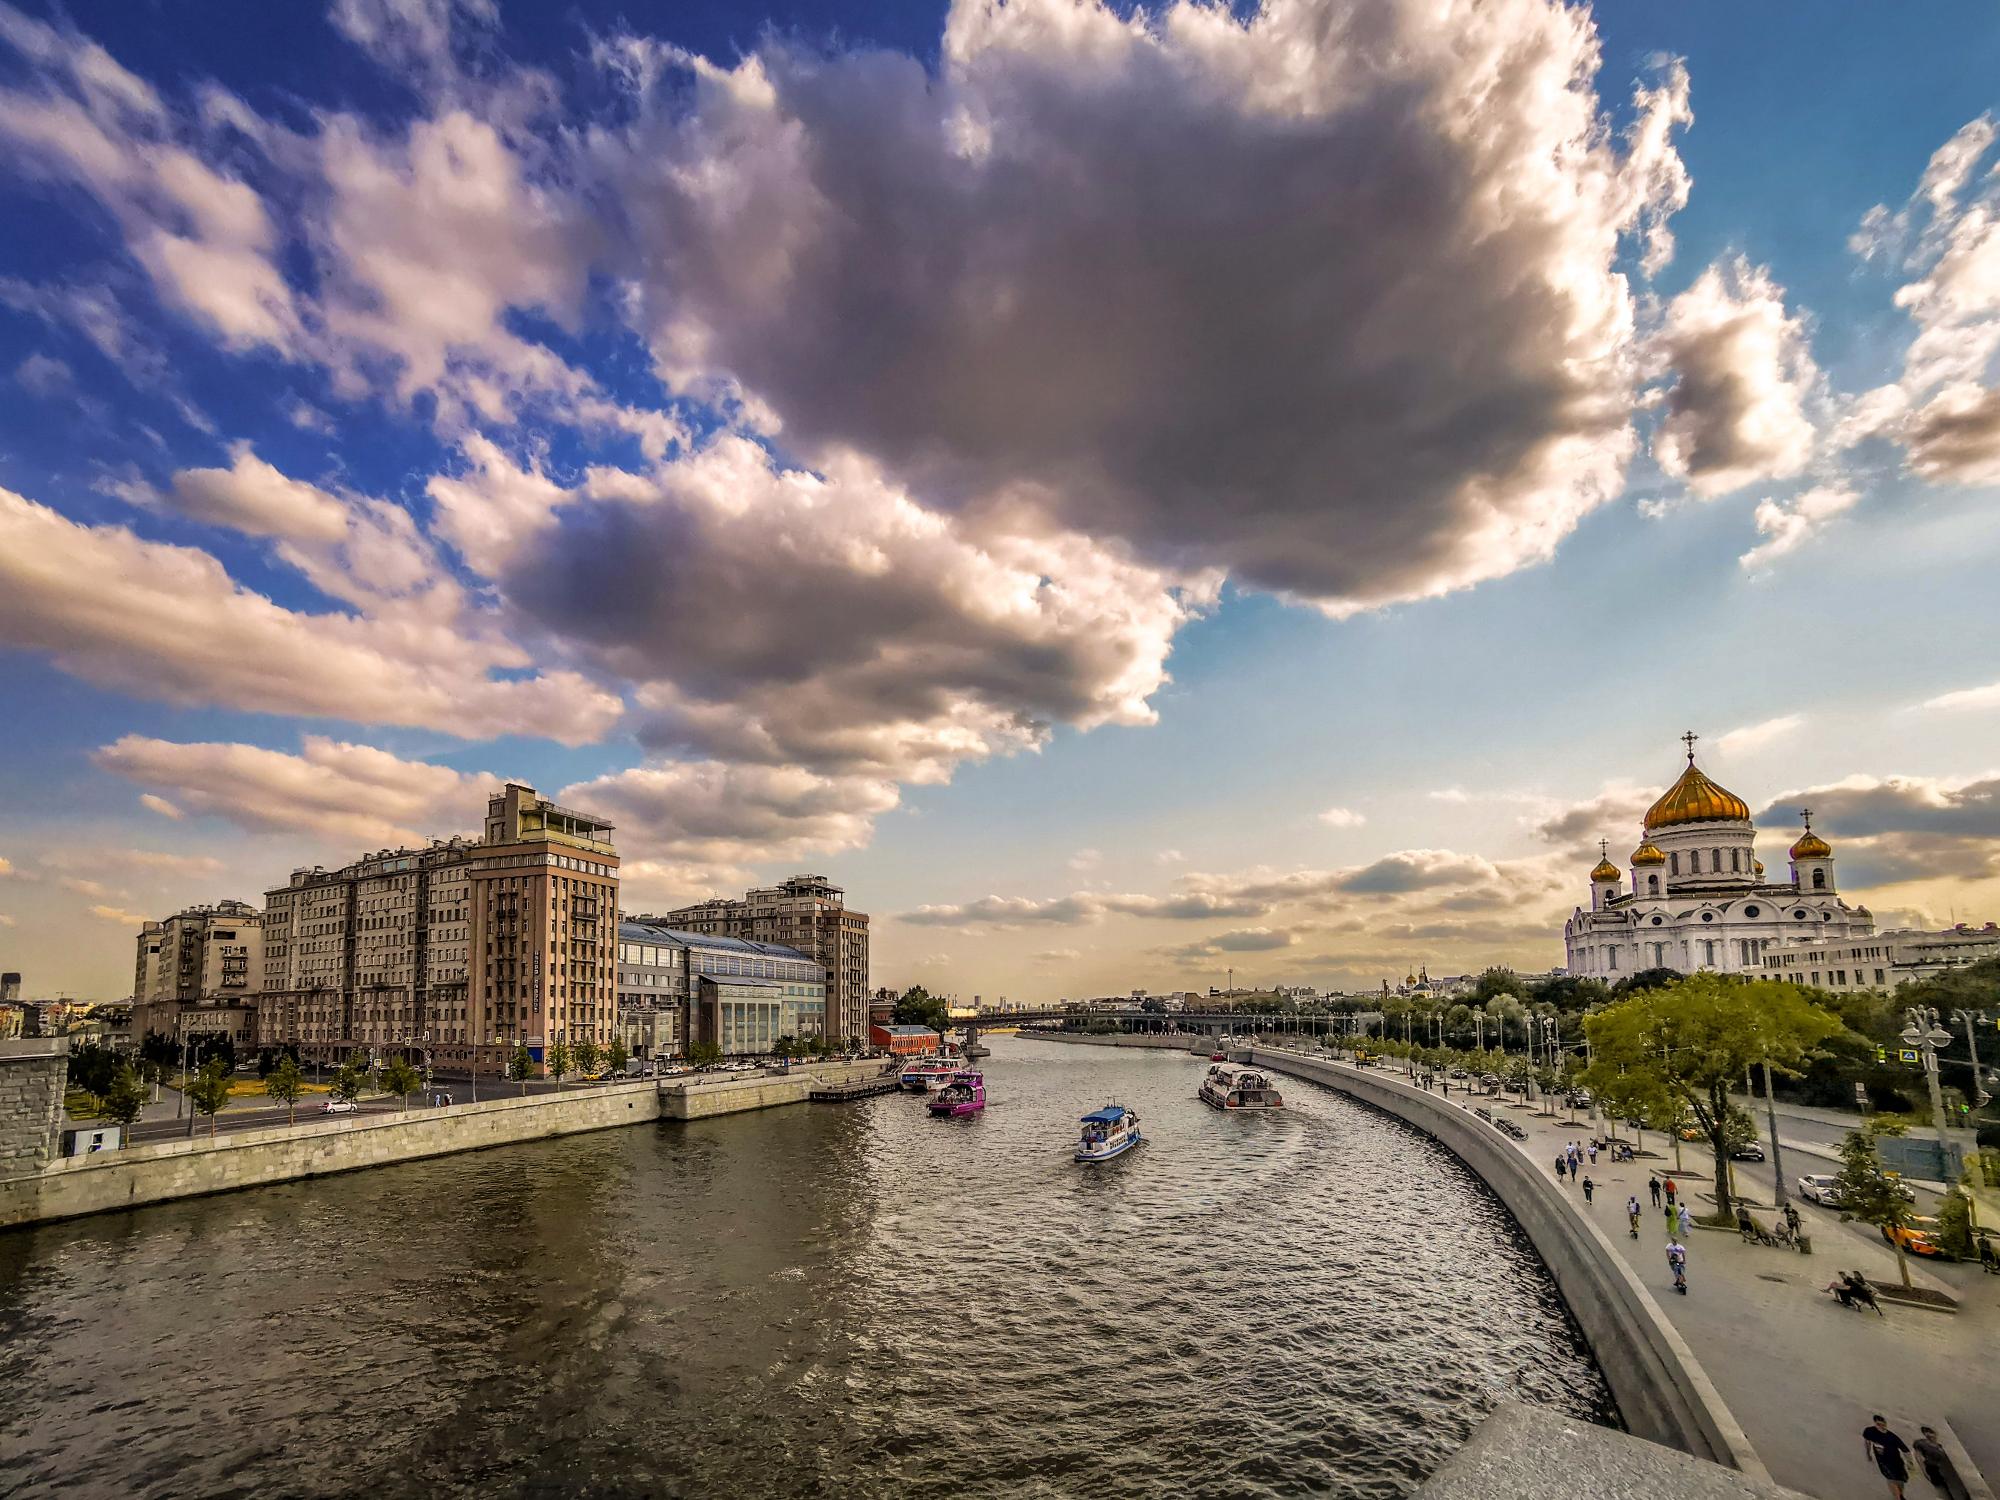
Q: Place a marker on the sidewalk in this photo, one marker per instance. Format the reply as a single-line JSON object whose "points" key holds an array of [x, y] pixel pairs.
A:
{"points": [[1801, 1373]]}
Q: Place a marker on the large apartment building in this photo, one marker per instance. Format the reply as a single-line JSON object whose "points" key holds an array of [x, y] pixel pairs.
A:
{"points": [[462, 950], [808, 913], [196, 973]]}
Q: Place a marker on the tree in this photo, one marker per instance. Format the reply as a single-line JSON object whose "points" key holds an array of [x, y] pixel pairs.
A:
{"points": [[349, 1081], [1496, 982], [210, 1090], [1868, 1193], [400, 1079], [1698, 1038], [704, 1054], [919, 1007], [521, 1067], [559, 1061], [92, 1067], [617, 1055], [1645, 979], [1954, 1231], [588, 1055], [784, 1048], [124, 1097], [285, 1083]]}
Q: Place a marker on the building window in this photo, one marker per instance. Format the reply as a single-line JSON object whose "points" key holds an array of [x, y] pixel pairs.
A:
{"points": [[1819, 880], [1751, 911], [1653, 885], [1674, 863]]}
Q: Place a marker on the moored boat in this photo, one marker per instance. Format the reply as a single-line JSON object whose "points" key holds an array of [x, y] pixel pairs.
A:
{"points": [[1233, 1086], [927, 1075], [1108, 1132], [964, 1095]]}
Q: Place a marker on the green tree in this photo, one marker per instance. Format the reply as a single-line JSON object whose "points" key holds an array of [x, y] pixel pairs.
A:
{"points": [[210, 1091], [1698, 1038], [559, 1061], [617, 1055], [587, 1054], [285, 1083], [349, 1081], [521, 1067], [1645, 979], [400, 1079], [704, 1054], [1954, 1232], [919, 1007], [124, 1097], [1496, 982], [1868, 1193], [785, 1048]]}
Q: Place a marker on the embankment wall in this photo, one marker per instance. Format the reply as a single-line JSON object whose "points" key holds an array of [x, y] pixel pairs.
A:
{"points": [[163, 1171]]}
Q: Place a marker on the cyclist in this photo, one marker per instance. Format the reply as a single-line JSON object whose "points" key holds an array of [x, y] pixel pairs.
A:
{"points": [[1677, 1259]]}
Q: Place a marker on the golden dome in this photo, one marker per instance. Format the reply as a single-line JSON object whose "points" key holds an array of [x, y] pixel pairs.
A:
{"points": [[1696, 799], [1758, 866], [1410, 982], [1648, 853], [1811, 846], [1605, 871]]}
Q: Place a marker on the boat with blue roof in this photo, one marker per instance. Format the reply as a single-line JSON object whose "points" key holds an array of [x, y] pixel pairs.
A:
{"points": [[1108, 1132]]}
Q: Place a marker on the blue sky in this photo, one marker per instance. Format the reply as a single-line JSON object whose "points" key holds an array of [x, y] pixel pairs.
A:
{"points": [[1128, 496]]}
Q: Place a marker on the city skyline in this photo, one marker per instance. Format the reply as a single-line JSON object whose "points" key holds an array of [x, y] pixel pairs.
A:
{"points": [[1127, 501]]}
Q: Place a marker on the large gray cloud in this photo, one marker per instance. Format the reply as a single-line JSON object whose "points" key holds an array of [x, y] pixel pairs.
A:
{"points": [[1327, 295]]}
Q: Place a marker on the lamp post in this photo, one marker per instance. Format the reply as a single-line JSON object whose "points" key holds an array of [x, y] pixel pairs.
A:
{"points": [[1925, 1034], [1968, 1019]]}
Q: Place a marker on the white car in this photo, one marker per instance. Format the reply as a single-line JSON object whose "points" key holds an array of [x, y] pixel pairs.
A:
{"points": [[340, 1107], [1820, 1188]]}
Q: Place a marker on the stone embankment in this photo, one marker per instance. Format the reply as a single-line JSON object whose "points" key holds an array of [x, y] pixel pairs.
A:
{"points": [[164, 1171]]}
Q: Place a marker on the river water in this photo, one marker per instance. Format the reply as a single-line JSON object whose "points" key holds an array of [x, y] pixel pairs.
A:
{"points": [[821, 1300]]}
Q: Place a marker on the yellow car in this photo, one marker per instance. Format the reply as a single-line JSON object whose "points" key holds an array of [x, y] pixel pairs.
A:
{"points": [[1919, 1236]]}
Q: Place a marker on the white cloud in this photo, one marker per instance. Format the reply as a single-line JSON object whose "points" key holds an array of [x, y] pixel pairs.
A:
{"points": [[1350, 417], [1169, 857], [161, 806], [1788, 525], [43, 375], [1454, 794], [344, 794], [1342, 817], [1085, 860], [1751, 738], [1742, 374], [168, 623], [119, 915], [1967, 699]]}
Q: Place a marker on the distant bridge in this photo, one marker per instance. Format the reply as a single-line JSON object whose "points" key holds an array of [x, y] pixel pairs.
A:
{"points": [[1197, 1023]]}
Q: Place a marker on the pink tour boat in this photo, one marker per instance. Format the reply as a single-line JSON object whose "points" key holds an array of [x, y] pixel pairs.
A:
{"points": [[964, 1095]]}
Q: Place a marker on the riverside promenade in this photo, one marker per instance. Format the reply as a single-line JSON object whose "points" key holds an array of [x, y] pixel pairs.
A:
{"points": [[1800, 1374]]}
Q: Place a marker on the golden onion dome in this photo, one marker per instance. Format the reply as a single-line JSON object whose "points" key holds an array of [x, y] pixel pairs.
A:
{"points": [[1811, 846], [1757, 865], [1605, 871], [1648, 853], [1696, 799], [1410, 981]]}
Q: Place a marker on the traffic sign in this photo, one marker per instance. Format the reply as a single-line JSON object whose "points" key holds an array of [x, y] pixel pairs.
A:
{"points": [[1907, 1054]]}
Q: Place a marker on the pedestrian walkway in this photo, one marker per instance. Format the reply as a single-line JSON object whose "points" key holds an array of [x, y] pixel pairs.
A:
{"points": [[1801, 1373]]}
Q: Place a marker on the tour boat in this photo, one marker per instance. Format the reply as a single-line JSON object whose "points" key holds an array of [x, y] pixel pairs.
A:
{"points": [[1230, 1086], [927, 1075], [964, 1095], [1107, 1132]]}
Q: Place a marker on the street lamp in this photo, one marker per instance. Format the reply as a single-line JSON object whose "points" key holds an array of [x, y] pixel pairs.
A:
{"points": [[1924, 1033], [1968, 1019]]}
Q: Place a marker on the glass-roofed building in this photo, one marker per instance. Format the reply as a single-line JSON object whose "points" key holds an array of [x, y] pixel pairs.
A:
{"points": [[675, 987]]}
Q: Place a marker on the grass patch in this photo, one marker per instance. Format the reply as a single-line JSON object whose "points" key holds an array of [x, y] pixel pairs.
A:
{"points": [[253, 1089], [81, 1104]]}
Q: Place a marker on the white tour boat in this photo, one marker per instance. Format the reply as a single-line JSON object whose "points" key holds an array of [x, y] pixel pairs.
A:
{"points": [[1108, 1132], [1234, 1086]]}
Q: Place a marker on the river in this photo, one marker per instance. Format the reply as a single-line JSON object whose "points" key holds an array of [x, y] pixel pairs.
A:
{"points": [[839, 1300]]}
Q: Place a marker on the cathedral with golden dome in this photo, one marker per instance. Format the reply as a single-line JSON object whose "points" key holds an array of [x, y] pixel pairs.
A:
{"points": [[1695, 896]]}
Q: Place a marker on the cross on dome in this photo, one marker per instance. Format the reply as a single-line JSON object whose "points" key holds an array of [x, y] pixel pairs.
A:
{"points": [[1688, 739]]}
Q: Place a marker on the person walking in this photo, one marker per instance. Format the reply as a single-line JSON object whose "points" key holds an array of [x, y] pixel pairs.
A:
{"points": [[1671, 1191], [1886, 1450], [1686, 1221], [1632, 1213], [1938, 1467], [1587, 1186], [1653, 1183], [1592, 1149]]}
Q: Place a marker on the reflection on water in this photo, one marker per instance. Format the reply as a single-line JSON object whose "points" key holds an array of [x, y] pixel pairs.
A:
{"points": [[824, 1300]]}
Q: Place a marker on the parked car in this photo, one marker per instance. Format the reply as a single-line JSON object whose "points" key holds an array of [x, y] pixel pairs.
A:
{"points": [[340, 1107], [1457, 1073], [1919, 1236], [1580, 1098], [1820, 1187], [1750, 1151]]}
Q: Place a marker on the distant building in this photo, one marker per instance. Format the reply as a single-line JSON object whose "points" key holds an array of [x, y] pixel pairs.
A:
{"points": [[462, 950], [808, 913], [196, 973], [695, 986], [1883, 961], [1698, 897]]}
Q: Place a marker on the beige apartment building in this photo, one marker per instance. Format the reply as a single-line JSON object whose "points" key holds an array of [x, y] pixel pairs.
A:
{"points": [[808, 913], [460, 951], [1883, 961], [196, 973]]}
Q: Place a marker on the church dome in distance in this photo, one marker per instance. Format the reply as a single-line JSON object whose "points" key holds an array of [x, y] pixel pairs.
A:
{"points": [[1696, 799], [1811, 846], [1648, 853], [1605, 871], [1757, 865]]}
